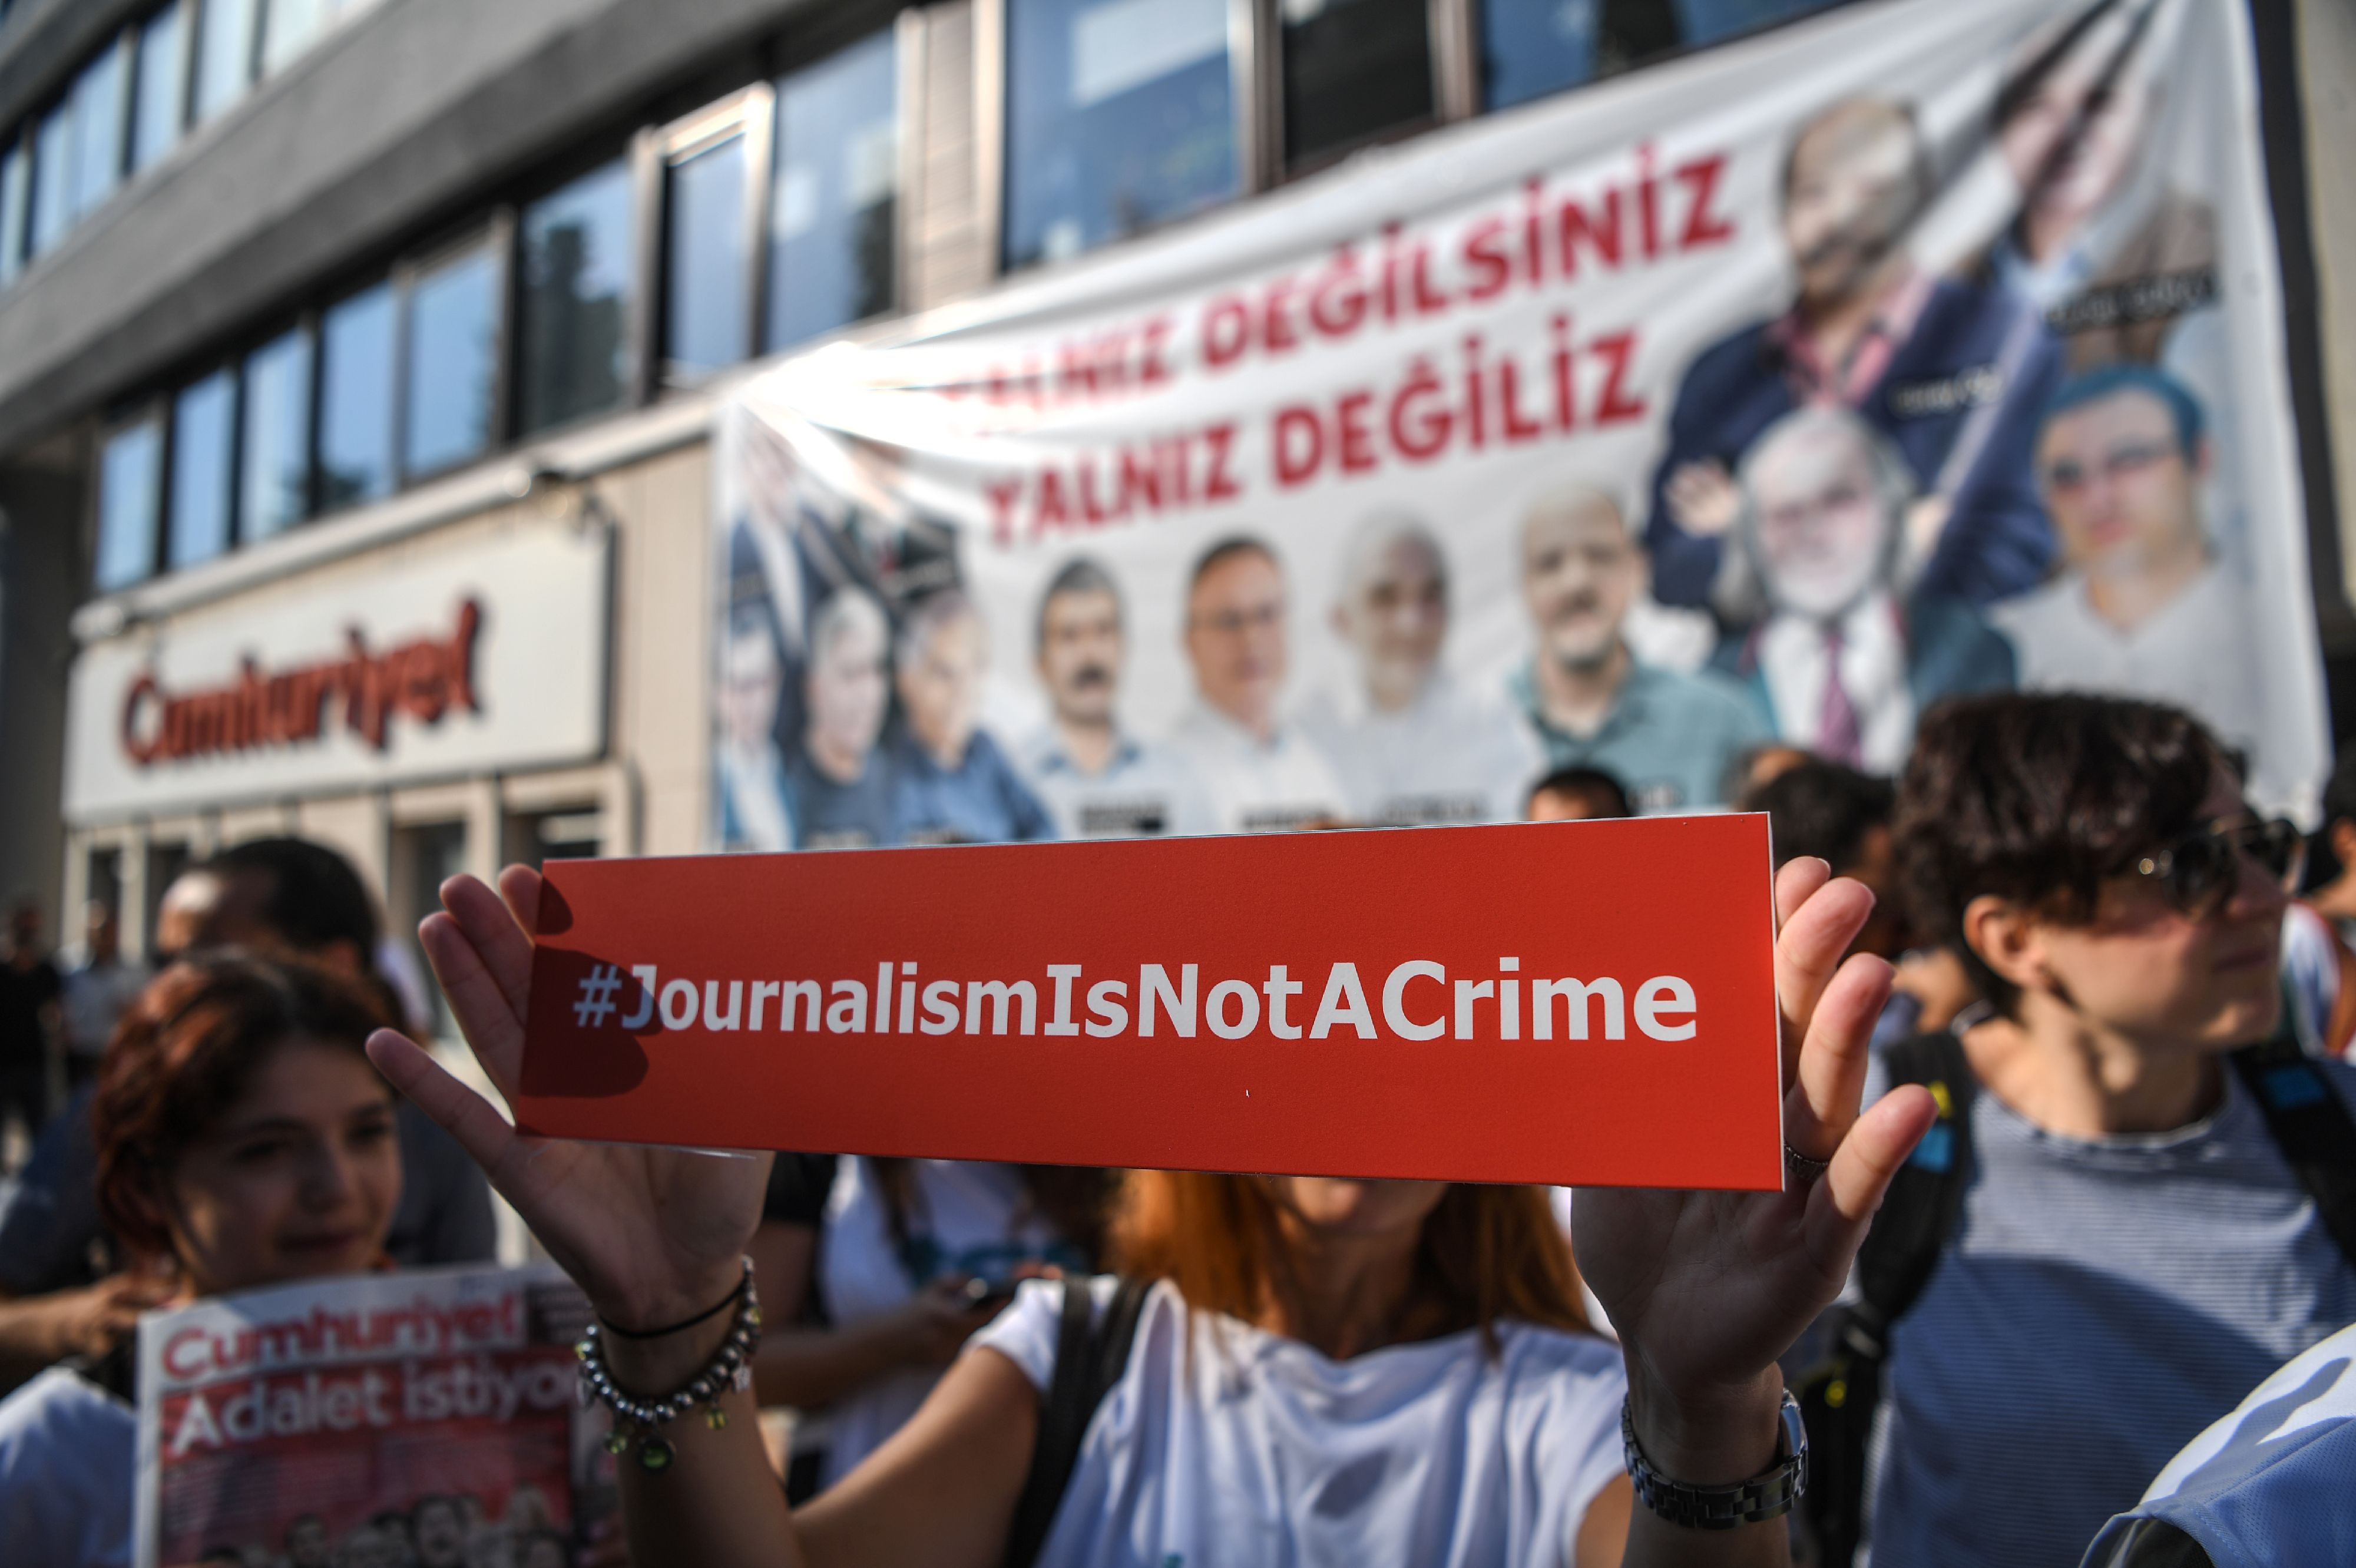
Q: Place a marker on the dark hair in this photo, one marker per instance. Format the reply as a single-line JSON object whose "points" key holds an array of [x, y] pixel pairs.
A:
{"points": [[1225, 550], [314, 897], [187, 1049], [1823, 809], [2040, 800], [2013, 93], [1080, 574], [2110, 380], [1591, 785]]}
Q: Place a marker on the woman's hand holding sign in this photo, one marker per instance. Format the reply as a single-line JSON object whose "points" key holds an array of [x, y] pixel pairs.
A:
{"points": [[653, 1235], [1707, 1289]]}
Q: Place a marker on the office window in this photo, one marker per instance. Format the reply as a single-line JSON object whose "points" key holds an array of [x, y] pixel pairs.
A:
{"points": [[838, 188], [1353, 70], [708, 257], [275, 464], [224, 54], [356, 399], [100, 111], [453, 341], [160, 97], [1120, 114], [53, 175], [130, 488], [1531, 47], [15, 186], [578, 280], [204, 422]]}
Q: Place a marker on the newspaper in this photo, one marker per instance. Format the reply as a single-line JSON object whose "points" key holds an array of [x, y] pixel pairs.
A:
{"points": [[428, 1417]]}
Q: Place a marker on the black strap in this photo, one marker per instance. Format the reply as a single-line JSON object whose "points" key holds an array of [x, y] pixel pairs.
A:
{"points": [[1926, 1196], [2311, 1127], [2154, 1544], [1837, 1396], [1091, 1354]]}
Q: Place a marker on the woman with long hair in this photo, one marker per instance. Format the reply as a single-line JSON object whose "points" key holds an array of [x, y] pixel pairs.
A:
{"points": [[243, 1139], [1378, 1372]]}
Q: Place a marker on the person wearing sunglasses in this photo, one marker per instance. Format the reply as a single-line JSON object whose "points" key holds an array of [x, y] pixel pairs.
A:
{"points": [[2143, 607], [2127, 1246]]}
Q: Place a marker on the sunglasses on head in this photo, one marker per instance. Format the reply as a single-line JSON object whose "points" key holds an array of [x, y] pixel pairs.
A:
{"points": [[2200, 870]]}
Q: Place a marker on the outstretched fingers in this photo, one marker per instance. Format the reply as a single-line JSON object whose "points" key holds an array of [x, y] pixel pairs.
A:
{"points": [[1828, 1080], [1843, 1204], [489, 1013], [496, 931], [1820, 917], [466, 1115]]}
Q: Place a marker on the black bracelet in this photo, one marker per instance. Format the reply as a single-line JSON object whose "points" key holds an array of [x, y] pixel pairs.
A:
{"points": [[706, 1315]]}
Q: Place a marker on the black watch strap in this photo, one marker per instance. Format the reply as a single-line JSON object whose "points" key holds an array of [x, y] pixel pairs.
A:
{"points": [[1767, 1496]]}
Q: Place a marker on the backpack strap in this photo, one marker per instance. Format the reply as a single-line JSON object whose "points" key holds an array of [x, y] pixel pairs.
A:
{"points": [[1926, 1196], [2311, 1127], [1839, 1394], [1091, 1355]]}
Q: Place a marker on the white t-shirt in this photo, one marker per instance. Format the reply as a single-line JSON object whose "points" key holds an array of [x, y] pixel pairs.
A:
{"points": [[1224, 1444], [969, 1220], [2193, 651], [68, 1453], [1446, 759], [1254, 786]]}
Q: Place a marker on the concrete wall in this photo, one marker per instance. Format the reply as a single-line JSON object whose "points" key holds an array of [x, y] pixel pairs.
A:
{"points": [[36, 563], [2326, 48]]}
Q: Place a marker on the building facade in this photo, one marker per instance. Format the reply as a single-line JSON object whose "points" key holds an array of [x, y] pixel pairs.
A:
{"points": [[356, 357]]}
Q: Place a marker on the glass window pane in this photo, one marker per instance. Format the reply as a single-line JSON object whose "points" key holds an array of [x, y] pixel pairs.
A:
{"points": [[710, 257], [289, 27], [53, 147], [1531, 47], [1120, 114], [454, 322], [578, 278], [161, 107], [830, 225], [99, 108], [275, 468], [356, 399], [1353, 70], [15, 185], [204, 419], [130, 475], [224, 54]]}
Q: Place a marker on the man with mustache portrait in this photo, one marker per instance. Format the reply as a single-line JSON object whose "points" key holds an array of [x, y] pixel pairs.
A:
{"points": [[1671, 739], [1952, 372], [1096, 780]]}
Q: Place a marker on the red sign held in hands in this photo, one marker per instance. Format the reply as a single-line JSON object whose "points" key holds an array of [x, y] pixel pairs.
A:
{"points": [[1589, 1003]]}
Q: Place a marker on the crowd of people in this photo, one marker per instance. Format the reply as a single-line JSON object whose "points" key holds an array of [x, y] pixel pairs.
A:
{"points": [[2124, 1209]]}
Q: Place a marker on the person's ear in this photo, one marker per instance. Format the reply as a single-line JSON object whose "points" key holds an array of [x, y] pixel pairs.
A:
{"points": [[2008, 941]]}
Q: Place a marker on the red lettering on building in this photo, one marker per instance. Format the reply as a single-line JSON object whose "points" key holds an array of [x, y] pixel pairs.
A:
{"points": [[420, 680]]}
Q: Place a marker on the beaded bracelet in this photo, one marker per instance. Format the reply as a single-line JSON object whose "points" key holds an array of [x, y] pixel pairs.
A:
{"points": [[637, 1421]]}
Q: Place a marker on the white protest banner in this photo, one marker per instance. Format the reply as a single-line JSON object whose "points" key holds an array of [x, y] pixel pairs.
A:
{"points": [[1919, 349]]}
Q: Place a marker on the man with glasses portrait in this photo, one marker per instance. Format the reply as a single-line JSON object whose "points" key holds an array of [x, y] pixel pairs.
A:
{"points": [[2143, 607]]}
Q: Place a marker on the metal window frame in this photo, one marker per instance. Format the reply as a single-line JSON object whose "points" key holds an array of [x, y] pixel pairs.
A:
{"points": [[1256, 63], [232, 364], [495, 233], [749, 113], [907, 30], [157, 408], [635, 390]]}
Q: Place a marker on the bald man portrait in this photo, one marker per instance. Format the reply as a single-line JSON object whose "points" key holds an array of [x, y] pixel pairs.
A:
{"points": [[1954, 372], [1671, 739], [1411, 745]]}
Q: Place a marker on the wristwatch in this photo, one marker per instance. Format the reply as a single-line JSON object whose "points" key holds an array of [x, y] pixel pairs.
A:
{"points": [[1763, 1497]]}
